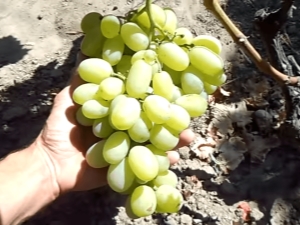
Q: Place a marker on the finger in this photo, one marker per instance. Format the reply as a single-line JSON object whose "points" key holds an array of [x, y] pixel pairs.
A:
{"points": [[173, 157], [186, 137]]}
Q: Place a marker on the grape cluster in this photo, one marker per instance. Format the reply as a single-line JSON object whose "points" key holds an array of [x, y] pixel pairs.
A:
{"points": [[145, 79]]}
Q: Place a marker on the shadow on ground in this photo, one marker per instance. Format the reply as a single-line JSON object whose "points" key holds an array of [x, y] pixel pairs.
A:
{"points": [[11, 50]]}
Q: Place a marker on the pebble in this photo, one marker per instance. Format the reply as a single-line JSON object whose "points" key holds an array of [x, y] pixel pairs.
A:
{"points": [[186, 219], [256, 215], [184, 152], [13, 113], [170, 221], [197, 221]]}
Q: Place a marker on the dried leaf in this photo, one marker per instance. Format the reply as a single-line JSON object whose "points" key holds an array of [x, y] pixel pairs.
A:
{"points": [[259, 147], [225, 115], [232, 152]]}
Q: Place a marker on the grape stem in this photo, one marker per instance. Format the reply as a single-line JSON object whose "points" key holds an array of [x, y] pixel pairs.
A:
{"points": [[152, 24], [118, 75]]}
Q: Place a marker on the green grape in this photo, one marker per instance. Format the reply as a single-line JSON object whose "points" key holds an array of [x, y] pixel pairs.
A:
{"points": [[158, 16], [216, 81], [113, 50], [84, 92], [116, 101], [180, 119], [183, 36], [94, 70], [209, 42], [209, 89], [110, 26], [140, 131], [95, 109], [163, 137], [204, 95], [134, 37], [167, 177], [173, 56], [175, 75], [137, 56], [157, 108], [171, 21], [194, 104], [125, 113], [150, 56], [140, 181], [116, 147], [191, 83], [92, 43], [128, 209], [102, 128], [110, 88], [124, 65], [131, 188], [143, 163], [156, 67], [82, 120], [176, 93], [94, 156], [90, 21], [162, 158], [163, 85], [149, 92], [169, 199], [120, 176], [206, 61], [143, 201], [138, 79]]}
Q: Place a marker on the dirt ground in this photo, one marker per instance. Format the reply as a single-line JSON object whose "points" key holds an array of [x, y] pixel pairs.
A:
{"points": [[38, 43]]}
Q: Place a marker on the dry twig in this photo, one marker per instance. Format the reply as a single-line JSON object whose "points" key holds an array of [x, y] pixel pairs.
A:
{"points": [[240, 39]]}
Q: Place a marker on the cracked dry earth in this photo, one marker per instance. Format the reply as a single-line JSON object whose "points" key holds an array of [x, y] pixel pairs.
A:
{"points": [[236, 171]]}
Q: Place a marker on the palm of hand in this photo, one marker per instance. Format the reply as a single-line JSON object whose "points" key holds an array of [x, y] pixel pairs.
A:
{"points": [[66, 143]]}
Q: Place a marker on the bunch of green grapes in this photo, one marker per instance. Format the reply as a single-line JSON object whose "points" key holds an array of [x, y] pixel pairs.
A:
{"points": [[145, 79]]}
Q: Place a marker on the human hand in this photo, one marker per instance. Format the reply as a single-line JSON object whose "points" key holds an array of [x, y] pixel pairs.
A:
{"points": [[65, 142]]}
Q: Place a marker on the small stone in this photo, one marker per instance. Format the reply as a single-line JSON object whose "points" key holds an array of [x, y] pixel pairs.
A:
{"points": [[170, 221], [13, 113], [186, 219], [197, 221], [184, 152], [256, 215]]}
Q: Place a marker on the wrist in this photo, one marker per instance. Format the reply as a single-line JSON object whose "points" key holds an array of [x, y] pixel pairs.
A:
{"points": [[48, 166], [27, 184]]}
